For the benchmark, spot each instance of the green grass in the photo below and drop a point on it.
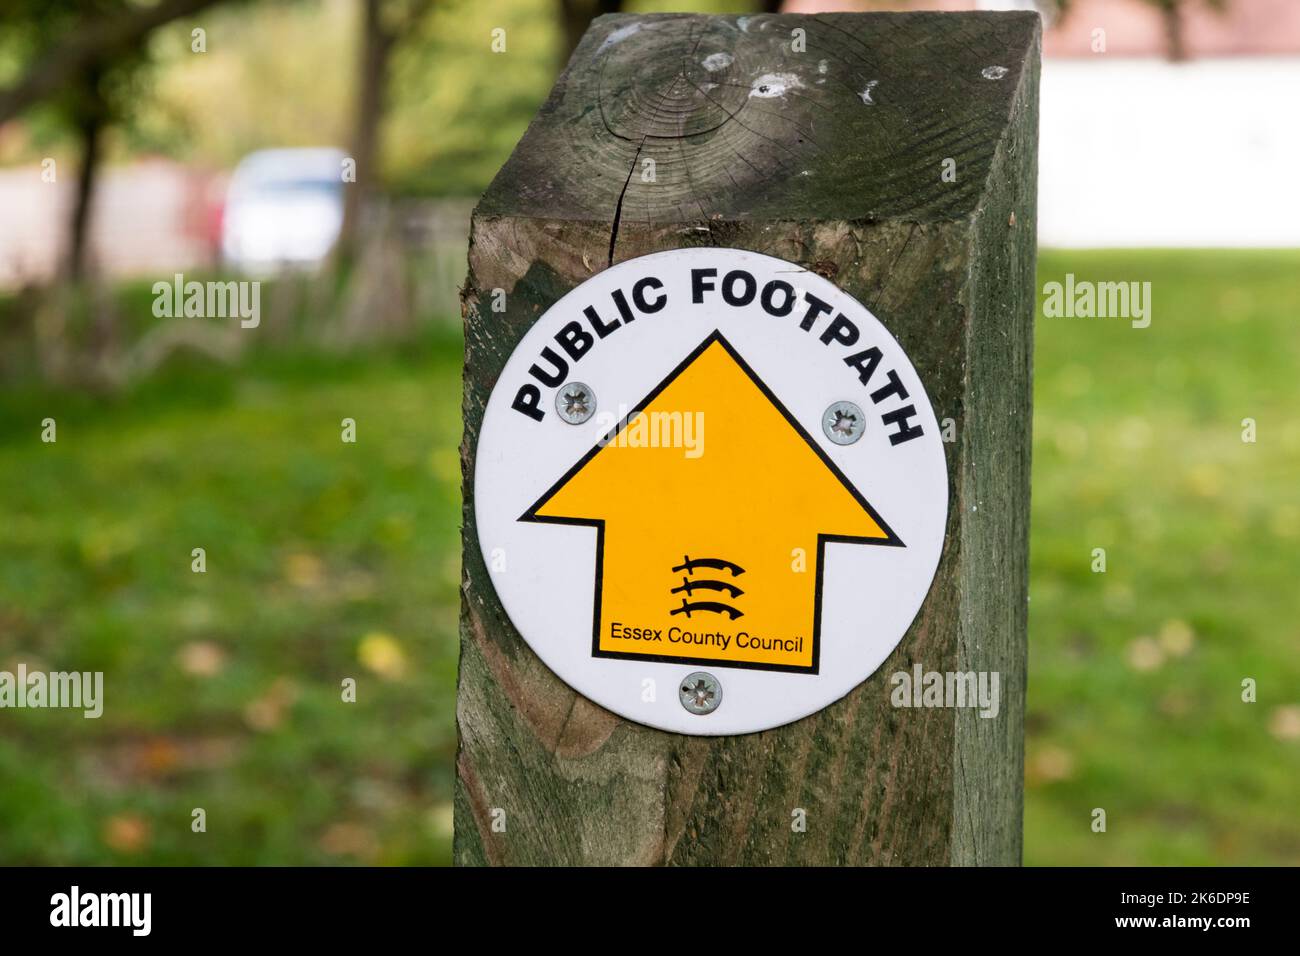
(1138, 450)
(223, 689)
(328, 560)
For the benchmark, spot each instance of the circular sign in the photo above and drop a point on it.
(710, 490)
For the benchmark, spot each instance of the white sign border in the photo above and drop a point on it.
(544, 573)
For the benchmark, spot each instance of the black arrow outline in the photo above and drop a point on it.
(891, 539)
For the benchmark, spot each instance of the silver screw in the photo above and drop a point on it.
(575, 403)
(700, 693)
(844, 423)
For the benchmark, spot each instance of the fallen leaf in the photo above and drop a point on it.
(303, 570)
(1284, 722)
(1144, 654)
(1176, 638)
(442, 820)
(381, 654)
(267, 712)
(1049, 764)
(348, 839)
(126, 833)
(201, 659)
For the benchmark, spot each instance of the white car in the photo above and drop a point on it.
(284, 209)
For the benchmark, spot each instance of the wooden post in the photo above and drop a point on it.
(901, 165)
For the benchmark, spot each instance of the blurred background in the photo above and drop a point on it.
(213, 138)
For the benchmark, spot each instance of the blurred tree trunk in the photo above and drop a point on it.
(92, 117)
(576, 16)
(1175, 44)
(376, 50)
(1171, 18)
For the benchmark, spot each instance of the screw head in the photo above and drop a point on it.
(575, 403)
(844, 423)
(700, 693)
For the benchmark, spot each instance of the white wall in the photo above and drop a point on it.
(1148, 153)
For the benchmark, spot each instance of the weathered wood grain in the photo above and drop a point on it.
(841, 173)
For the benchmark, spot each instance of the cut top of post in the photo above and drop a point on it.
(852, 116)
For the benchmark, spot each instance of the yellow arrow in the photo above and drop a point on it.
(713, 553)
